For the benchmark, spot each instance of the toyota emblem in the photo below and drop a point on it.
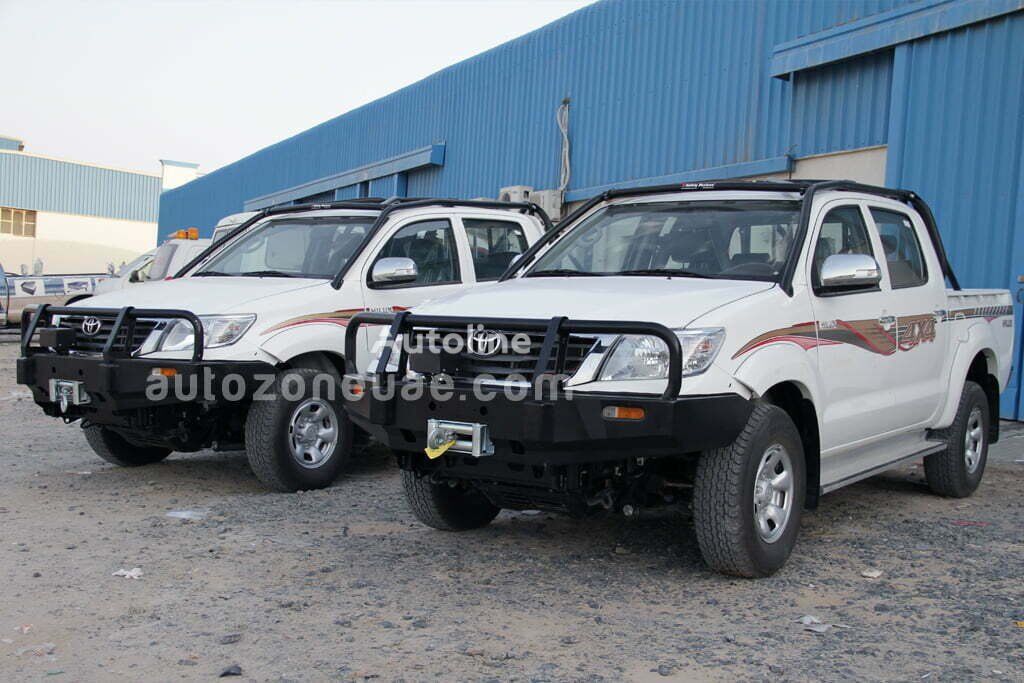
(91, 326)
(484, 343)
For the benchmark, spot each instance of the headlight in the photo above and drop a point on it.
(218, 330)
(646, 357)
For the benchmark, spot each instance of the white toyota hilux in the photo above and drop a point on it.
(233, 351)
(744, 346)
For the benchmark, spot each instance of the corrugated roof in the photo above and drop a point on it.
(35, 182)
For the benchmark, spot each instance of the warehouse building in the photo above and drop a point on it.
(60, 216)
(924, 94)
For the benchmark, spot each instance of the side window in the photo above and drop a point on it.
(431, 245)
(493, 245)
(842, 232)
(902, 250)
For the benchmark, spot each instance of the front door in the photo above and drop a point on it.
(857, 337)
(433, 245)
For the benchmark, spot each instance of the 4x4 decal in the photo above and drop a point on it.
(904, 334)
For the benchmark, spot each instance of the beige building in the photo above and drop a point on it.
(61, 216)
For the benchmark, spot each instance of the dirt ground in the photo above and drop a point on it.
(343, 584)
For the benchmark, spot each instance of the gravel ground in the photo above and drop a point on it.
(343, 584)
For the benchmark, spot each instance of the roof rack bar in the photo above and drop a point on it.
(607, 195)
(904, 196)
(806, 188)
(368, 203)
(386, 207)
(399, 204)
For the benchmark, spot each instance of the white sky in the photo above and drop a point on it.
(127, 83)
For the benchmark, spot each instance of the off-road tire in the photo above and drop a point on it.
(723, 499)
(267, 439)
(116, 450)
(444, 507)
(947, 472)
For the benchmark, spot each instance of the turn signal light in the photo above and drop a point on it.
(165, 372)
(622, 413)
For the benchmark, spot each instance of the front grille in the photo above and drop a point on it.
(566, 359)
(94, 343)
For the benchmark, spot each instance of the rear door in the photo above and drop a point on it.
(493, 243)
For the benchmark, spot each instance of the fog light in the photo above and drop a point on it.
(622, 413)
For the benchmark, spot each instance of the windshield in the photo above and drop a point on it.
(127, 269)
(742, 240)
(291, 247)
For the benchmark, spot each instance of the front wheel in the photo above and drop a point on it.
(117, 450)
(444, 507)
(300, 439)
(748, 497)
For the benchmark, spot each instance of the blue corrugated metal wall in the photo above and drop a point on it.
(42, 184)
(657, 88)
(959, 143)
(841, 106)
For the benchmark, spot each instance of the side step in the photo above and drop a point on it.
(928, 450)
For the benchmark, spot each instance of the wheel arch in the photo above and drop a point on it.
(324, 361)
(786, 375)
(982, 371)
(795, 399)
(976, 360)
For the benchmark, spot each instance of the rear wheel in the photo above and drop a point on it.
(115, 449)
(444, 507)
(957, 471)
(749, 497)
(298, 442)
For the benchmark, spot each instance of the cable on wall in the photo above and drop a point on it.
(562, 119)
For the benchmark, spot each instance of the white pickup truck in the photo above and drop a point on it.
(245, 333)
(156, 264)
(744, 346)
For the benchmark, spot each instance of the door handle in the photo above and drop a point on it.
(887, 320)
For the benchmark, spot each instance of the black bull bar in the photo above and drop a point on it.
(556, 332)
(124, 318)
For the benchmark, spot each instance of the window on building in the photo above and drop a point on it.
(493, 244)
(17, 222)
(902, 250)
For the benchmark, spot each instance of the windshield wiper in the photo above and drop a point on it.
(212, 273)
(668, 272)
(266, 273)
(567, 272)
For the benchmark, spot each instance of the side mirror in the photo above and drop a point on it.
(135, 276)
(842, 272)
(394, 270)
